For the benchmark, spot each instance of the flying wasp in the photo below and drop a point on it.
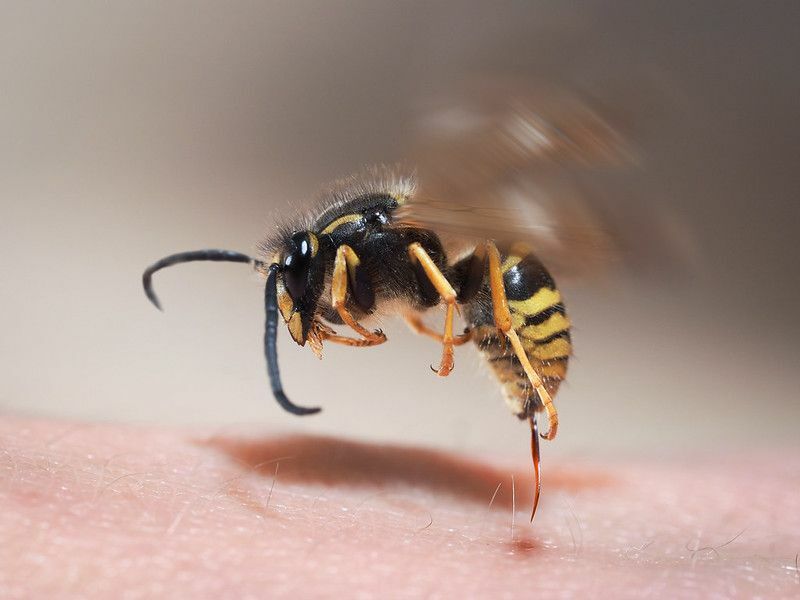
(491, 199)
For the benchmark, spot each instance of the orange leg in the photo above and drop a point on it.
(347, 260)
(448, 294)
(348, 341)
(325, 333)
(417, 326)
(502, 319)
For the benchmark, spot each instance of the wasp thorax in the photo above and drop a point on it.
(297, 264)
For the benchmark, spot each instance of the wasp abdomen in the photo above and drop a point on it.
(540, 320)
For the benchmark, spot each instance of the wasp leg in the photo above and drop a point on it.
(502, 319)
(417, 326)
(321, 333)
(347, 261)
(448, 294)
(349, 341)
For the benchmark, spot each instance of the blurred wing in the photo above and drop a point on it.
(491, 128)
(550, 216)
(515, 162)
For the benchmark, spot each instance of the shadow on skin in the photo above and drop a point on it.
(334, 461)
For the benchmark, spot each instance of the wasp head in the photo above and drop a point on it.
(300, 282)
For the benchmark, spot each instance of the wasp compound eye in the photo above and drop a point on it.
(297, 265)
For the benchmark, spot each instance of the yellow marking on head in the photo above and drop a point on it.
(286, 305)
(341, 221)
(558, 348)
(555, 324)
(517, 320)
(295, 324)
(314, 244)
(542, 300)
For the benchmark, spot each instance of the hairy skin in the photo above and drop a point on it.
(102, 511)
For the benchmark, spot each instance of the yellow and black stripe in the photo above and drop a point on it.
(539, 317)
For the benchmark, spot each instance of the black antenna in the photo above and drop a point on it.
(271, 347)
(270, 304)
(184, 257)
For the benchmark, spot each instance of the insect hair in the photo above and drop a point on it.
(329, 201)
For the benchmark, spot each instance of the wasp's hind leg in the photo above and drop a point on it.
(346, 271)
(502, 319)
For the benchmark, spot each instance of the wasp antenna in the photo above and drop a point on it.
(184, 257)
(271, 346)
(537, 478)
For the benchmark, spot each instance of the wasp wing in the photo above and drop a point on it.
(536, 164)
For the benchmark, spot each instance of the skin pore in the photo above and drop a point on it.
(104, 510)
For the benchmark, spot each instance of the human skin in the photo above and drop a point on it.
(104, 510)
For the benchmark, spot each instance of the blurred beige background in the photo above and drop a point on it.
(132, 130)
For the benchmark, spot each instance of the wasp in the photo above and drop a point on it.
(451, 235)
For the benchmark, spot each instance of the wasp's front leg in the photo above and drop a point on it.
(321, 333)
(347, 270)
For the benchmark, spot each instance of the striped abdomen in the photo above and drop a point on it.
(541, 322)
